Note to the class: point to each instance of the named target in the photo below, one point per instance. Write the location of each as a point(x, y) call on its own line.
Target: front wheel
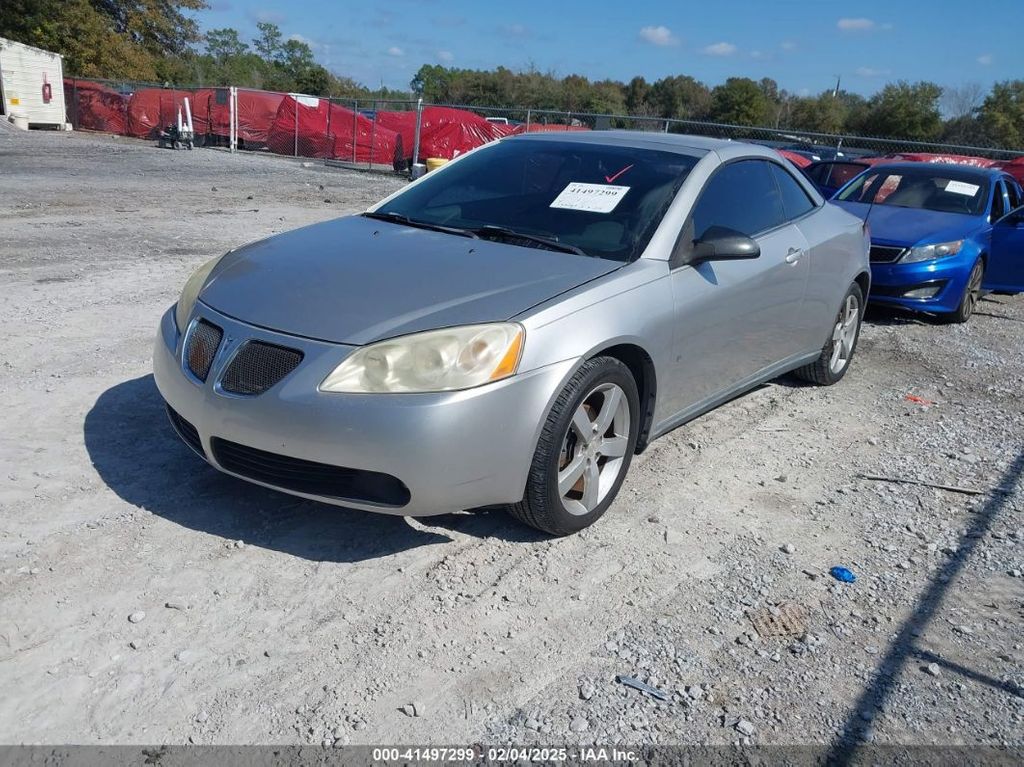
point(970, 297)
point(837, 352)
point(584, 450)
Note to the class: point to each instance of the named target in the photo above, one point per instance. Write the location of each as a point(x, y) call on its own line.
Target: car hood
point(908, 226)
point(356, 280)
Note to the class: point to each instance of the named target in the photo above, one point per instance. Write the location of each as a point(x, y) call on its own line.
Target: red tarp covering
point(549, 128)
point(331, 132)
point(444, 132)
point(797, 159)
point(1014, 167)
point(150, 110)
point(949, 159)
point(92, 106)
point(211, 114)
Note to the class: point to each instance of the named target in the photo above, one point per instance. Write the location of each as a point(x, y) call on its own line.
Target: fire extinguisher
point(47, 91)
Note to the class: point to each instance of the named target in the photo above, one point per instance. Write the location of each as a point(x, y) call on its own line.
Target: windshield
point(941, 190)
point(600, 200)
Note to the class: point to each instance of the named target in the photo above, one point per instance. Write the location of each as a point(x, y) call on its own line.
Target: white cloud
point(788, 45)
point(445, 56)
point(394, 50)
point(515, 30)
point(871, 72)
point(658, 35)
point(719, 49)
point(855, 25)
point(986, 59)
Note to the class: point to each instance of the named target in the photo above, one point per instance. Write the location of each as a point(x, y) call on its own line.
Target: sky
point(802, 44)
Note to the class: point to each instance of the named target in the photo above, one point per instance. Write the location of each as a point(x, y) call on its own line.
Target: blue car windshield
point(596, 199)
point(942, 190)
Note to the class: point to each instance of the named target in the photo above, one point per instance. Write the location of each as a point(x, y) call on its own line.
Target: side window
point(1014, 194)
point(795, 201)
point(741, 196)
point(998, 203)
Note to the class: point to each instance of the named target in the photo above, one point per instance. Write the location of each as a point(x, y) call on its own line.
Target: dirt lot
point(266, 619)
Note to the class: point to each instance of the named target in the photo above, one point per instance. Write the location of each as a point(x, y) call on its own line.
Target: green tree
point(905, 110)
point(637, 96)
point(823, 113)
point(740, 101)
point(224, 44)
point(681, 97)
point(433, 83)
point(268, 44)
point(1002, 114)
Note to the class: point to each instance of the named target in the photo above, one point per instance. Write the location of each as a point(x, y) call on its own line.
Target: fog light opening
point(929, 291)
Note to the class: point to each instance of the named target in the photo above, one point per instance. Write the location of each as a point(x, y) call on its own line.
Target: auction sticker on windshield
point(962, 187)
point(593, 198)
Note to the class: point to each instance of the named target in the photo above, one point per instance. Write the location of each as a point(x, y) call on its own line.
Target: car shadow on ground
point(879, 314)
point(905, 654)
point(137, 454)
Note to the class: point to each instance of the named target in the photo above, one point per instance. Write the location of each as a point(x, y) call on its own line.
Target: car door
point(735, 319)
point(1005, 269)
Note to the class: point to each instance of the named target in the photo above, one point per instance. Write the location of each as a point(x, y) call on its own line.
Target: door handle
point(794, 255)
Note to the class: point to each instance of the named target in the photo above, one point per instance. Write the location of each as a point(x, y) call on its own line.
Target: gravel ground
point(145, 598)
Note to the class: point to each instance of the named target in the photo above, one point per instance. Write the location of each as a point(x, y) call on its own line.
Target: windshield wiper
point(399, 218)
point(502, 232)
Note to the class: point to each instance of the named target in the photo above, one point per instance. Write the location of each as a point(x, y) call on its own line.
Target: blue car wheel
point(971, 295)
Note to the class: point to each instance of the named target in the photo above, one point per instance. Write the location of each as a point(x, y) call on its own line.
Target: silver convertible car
point(512, 328)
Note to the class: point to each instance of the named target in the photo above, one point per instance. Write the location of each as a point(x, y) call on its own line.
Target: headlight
point(190, 293)
point(438, 360)
point(931, 252)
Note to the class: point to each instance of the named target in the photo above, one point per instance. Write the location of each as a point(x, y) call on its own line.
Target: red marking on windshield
point(612, 178)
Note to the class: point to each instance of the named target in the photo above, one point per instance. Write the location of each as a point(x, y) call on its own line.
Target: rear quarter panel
point(839, 253)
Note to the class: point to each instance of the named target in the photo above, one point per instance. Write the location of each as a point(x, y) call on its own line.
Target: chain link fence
point(393, 135)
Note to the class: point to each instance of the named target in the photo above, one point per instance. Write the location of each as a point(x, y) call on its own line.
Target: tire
point(970, 297)
point(833, 362)
point(177, 145)
point(600, 382)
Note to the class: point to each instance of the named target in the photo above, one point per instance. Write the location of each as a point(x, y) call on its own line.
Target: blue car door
point(1005, 270)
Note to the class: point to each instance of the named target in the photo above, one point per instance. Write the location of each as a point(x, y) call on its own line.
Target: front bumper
point(451, 450)
point(947, 276)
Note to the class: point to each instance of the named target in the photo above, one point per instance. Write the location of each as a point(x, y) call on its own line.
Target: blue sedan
point(941, 235)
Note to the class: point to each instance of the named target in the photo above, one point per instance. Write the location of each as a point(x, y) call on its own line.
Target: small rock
point(745, 728)
point(579, 724)
point(174, 605)
point(412, 709)
point(654, 519)
point(933, 669)
point(873, 441)
point(202, 716)
point(1015, 573)
point(587, 691)
point(531, 724)
point(135, 644)
point(185, 656)
point(137, 617)
point(239, 544)
point(782, 478)
point(788, 548)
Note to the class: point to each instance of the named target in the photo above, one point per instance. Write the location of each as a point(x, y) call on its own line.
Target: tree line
point(158, 41)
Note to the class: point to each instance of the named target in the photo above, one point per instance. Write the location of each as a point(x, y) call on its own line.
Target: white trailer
point(31, 85)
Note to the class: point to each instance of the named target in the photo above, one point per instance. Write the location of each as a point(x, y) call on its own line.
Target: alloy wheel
point(844, 336)
point(594, 449)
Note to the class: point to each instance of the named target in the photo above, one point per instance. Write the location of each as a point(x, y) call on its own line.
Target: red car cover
point(797, 159)
point(150, 110)
point(332, 132)
point(444, 132)
point(948, 159)
point(211, 114)
point(92, 106)
point(1014, 167)
point(548, 128)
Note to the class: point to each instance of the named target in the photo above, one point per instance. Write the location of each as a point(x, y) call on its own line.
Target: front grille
point(258, 366)
point(203, 342)
point(883, 254)
point(187, 432)
point(309, 476)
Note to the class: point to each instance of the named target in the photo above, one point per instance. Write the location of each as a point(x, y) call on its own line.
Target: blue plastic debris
point(842, 574)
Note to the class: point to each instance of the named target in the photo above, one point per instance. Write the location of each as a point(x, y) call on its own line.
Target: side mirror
point(721, 244)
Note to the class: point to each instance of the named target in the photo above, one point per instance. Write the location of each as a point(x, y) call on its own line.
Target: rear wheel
point(584, 450)
point(971, 295)
point(838, 351)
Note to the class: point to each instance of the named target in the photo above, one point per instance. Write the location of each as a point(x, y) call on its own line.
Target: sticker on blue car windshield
point(593, 198)
point(962, 187)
